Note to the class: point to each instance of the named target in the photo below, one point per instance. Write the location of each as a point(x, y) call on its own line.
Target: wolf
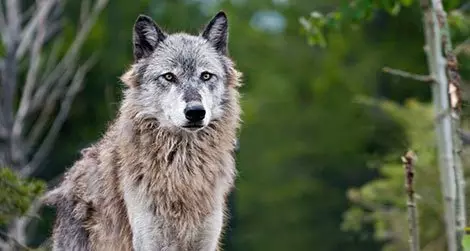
point(159, 176)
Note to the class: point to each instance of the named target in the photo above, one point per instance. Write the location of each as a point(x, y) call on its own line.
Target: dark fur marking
point(139, 179)
point(171, 155)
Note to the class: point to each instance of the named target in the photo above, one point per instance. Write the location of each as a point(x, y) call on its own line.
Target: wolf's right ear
point(146, 36)
point(216, 32)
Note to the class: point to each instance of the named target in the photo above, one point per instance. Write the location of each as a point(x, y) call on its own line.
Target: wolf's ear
point(216, 32)
point(146, 36)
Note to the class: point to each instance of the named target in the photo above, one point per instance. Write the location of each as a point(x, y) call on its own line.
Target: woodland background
point(323, 127)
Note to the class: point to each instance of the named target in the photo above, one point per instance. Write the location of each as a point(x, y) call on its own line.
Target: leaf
point(16, 194)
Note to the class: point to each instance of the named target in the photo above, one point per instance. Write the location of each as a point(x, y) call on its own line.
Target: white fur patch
point(173, 107)
point(144, 223)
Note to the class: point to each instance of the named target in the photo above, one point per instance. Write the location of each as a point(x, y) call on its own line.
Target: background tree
point(41, 73)
point(446, 86)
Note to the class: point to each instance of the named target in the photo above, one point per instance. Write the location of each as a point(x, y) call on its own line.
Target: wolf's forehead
point(186, 53)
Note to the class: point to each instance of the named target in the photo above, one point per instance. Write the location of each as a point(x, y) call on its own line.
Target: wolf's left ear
point(146, 36)
point(216, 32)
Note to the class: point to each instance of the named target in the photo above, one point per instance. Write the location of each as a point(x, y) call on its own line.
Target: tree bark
point(408, 163)
point(446, 99)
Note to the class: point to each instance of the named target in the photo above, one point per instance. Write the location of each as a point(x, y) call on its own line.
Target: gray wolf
point(159, 176)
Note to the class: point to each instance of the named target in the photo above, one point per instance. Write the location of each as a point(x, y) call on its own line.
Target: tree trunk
point(447, 121)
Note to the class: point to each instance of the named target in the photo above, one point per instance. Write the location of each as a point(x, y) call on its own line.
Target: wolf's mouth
point(193, 126)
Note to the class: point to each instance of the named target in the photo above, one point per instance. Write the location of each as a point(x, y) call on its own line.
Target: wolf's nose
point(195, 113)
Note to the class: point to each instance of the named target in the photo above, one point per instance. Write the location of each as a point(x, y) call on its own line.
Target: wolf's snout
point(194, 113)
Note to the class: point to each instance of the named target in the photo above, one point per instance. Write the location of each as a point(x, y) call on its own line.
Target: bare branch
point(52, 30)
point(12, 241)
point(3, 26)
point(17, 231)
point(8, 83)
point(404, 74)
point(31, 81)
point(13, 18)
point(47, 144)
point(71, 54)
point(52, 59)
point(40, 124)
point(85, 8)
point(28, 14)
point(3, 245)
point(32, 26)
point(408, 163)
point(9, 70)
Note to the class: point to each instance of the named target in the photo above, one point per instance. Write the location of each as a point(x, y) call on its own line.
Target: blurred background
point(323, 126)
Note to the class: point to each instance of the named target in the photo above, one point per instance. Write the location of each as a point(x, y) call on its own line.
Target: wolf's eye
point(169, 77)
point(205, 76)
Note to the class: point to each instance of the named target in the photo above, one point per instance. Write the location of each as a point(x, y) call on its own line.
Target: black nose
point(195, 113)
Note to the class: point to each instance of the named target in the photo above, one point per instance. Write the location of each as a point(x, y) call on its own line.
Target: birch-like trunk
point(438, 51)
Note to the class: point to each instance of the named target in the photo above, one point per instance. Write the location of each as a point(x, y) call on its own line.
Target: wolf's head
point(180, 80)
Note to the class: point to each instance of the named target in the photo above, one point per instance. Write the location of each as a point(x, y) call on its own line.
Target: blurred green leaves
point(16, 194)
point(383, 201)
point(317, 25)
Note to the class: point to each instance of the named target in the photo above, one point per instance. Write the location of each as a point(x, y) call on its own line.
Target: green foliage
point(16, 194)
point(351, 13)
point(356, 12)
point(383, 201)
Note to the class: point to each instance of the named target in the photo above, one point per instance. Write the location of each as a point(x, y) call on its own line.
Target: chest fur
point(179, 186)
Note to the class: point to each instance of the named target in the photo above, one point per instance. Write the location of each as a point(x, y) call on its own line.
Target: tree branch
point(71, 54)
point(47, 144)
point(11, 242)
point(32, 26)
point(40, 125)
point(8, 83)
point(17, 231)
point(404, 74)
point(3, 25)
point(408, 163)
point(31, 82)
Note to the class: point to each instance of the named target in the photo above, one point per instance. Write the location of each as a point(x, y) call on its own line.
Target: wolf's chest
point(166, 216)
